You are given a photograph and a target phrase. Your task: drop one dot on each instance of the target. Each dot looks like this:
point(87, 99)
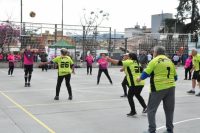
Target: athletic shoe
point(29, 85)
point(191, 92)
point(149, 132)
point(198, 94)
point(131, 113)
point(144, 110)
point(70, 98)
point(56, 98)
point(123, 96)
point(26, 85)
point(168, 131)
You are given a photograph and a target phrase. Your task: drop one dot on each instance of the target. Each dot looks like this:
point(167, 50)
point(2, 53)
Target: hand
point(108, 59)
point(73, 72)
point(121, 70)
point(138, 79)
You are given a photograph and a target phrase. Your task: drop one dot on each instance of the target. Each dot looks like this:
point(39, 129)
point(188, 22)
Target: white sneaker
point(197, 91)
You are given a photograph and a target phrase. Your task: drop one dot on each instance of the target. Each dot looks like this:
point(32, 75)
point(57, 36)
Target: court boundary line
point(28, 113)
point(179, 122)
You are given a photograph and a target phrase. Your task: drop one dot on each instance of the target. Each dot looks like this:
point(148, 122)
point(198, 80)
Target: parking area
point(94, 108)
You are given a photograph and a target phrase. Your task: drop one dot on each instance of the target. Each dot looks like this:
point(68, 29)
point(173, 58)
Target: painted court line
point(28, 113)
point(179, 122)
point(75, 102)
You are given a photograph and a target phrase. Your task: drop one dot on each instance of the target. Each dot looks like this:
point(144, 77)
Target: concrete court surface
point(94, 108)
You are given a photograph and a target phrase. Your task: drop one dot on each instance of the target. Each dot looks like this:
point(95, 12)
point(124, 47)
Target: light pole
point(21, 12)
point(175, 24)
point(62, 19)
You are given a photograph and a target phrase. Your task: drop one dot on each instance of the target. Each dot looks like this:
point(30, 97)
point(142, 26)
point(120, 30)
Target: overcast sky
point(123, 13)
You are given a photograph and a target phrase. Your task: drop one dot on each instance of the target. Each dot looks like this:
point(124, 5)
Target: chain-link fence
point(15, 36)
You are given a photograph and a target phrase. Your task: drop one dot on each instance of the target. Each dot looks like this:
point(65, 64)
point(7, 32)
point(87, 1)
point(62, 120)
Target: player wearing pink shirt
point(11, 60)
point(103, 67)
point(28, 55)
point(89, 60)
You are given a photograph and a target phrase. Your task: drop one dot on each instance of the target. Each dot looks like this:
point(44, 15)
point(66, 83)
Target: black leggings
point(135, 90)
point(124, 85)
point(28, 69)
point(67, 82)
point(89, 68)
point(44, 67)
point(10, 70)
point(106, 73)
point(186, 73)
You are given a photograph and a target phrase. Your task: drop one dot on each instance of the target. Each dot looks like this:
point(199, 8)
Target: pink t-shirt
point(11, 58)
point(103, 64)
point(188, 63)
point(28, 58)
point(89, 59)
point(1, 57)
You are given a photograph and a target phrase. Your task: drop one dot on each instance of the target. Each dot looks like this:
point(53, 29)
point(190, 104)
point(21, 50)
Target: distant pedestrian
point(11, 63)
point(103, 67)
point(149, 57)
point(176, 59)
point(143, 60)
point(43, 57)
point(188, 67)
point(162, 75)
point(1, 57)
point(89, 60)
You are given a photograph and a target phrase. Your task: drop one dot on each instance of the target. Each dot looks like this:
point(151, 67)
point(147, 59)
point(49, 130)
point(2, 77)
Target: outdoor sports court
point(94, 109)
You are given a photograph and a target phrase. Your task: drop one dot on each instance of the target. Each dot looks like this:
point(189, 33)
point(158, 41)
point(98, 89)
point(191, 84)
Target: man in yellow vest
point(162, 75)
point(196, 73)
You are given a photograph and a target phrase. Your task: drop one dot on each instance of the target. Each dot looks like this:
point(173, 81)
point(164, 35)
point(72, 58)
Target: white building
point(157, 21)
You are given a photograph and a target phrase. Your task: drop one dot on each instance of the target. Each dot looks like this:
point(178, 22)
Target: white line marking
point(179, 122)
point(75, 102)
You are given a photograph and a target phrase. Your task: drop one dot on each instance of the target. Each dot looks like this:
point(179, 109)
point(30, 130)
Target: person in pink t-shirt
point(89, 60)
point(11, 60)
point(103, 67)
point(28, 55)
point(188, 67)
point(1, 57)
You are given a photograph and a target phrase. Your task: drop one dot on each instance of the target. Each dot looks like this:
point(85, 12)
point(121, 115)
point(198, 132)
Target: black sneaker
point(191, 92)
point(144, 110)
point(70, 98)
point(26, 85)
point(198, 94)
point(56, 98)
point(131, 113)
point(123, 96)
point(168, 131)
